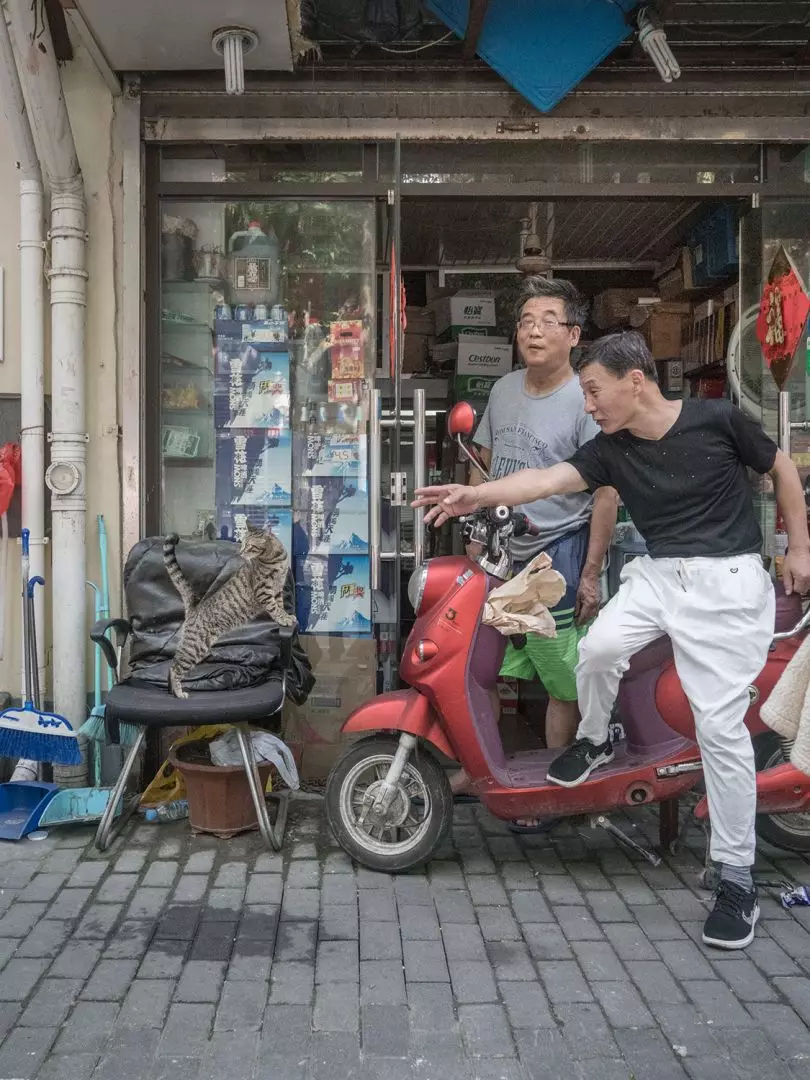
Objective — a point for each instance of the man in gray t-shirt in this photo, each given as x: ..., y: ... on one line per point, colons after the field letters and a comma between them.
x: 536, y: 418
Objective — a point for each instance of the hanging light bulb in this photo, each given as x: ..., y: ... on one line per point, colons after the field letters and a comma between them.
x: 653, y: 40
x: 233, y: 43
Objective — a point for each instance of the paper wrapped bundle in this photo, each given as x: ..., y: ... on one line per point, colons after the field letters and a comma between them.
x: 521, y: 606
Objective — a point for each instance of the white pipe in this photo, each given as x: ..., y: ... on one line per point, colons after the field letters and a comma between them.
x: 32, y: 321
x: 68, y: 279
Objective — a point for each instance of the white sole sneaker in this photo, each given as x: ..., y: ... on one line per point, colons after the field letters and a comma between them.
x: 740, y: 943
x: 603, y: 759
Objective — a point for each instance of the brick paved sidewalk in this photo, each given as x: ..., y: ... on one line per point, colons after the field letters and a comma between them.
x: 508, y: 959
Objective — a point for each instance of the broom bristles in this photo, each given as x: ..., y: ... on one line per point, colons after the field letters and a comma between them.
x: 36, y: 746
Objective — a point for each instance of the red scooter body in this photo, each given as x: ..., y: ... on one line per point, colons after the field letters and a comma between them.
x: 451, y: 662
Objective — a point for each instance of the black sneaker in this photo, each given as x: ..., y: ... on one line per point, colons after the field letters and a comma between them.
x: 733, y: 919
x: 577, y: 763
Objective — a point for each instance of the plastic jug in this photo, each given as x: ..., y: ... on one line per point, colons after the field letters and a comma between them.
x: 254, y: 265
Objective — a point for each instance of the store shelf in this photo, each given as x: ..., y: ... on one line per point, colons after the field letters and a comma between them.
x: 188, y: 463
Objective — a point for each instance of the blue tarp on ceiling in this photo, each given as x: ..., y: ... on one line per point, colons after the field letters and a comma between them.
x: 543, y: 48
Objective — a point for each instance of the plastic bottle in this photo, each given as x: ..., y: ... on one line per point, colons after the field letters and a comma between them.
x: 173, y: 811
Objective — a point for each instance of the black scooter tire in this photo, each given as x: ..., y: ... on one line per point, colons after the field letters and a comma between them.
x: 431, y: 774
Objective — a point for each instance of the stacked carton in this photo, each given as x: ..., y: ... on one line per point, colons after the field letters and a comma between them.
x: 467, y: 338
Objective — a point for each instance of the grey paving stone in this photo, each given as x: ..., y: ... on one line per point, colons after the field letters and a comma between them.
x: 630, y: 942
x: 265, y: 889
x: 201, y: 862
x: 530, y: 907
x: 431, y: 1006
x: 486, y: 889
x: 486, y: 1030
x: 296, y: 941
x: 186, y: 1031
x: 259, y: 923
x: 19, y: 978
x: 585, y: 1032
x: 130, y: 862
x: 8, y: 946
x: 16, y: 875
x: 251, y: 960
x: 61, y: 861
x: 787, y: 1031
x: 338, y: 922
x: 161, y: 874
x: 622, y: 1004
x: 337, y: 961
x: 685, y: 960
x: 504, y: 849
x: 20, y: 919
x: 684, y: 905
x: 270, y: 863
x: 241, y: 1006
x: 793, y: 939
x: 445, y: 874
x: 51, y: 1003
x: 164, y: 960
x: 598, y: 960
x: 476, y: 862
x: 334, y: 1053
x: 655, y: 982
x: 716, y: 1003
x: 300, y: 904
x: 338, y: 862
x: 527, y: 1005
x: 76, y: 960
x: 657, y: 923
x: 147, y: 903
x: 589, y: 877
x: 291, y: 983
x: 223, y: 904
x: 72, y: 1067
x: 69, y: 904
x: 380, y: 941
x: 511, y: 961
x: 797, y: 992
x: 473, y: 981
x: 684, y: 1026
x: 178, y: 922
x: 286, y: 1032
x: 110, y: 980
x: 546, y: 941
x: 24, y: 1050
x: 231, y: 1053
x: 232, y: 875
x: 454, y: 906
x: 608, y: 907
x: 200, y: 981
x: 463, y: 942
x: 146, y: 1004
x: 634, y: 891
x: 116, y: 888
x: 46, y: 939
x: 190, y: 889
x: 301, y: 874
x: 418, y: 922
x: 770, y: 957
x: 424, y: 962
x: 130, y: 941
x: 577, y: 923
x: 98, y: 921
x: 564, y: 982
x: 649, y: 1056
x: 744, y: 979
x: 382, y: 982
x: 751, y: 1052
x: 385, y: 1030
x: 498, y: 924
x: 214, y: 941
x: 338, y: 889
x: 304, y: 851
x: 376, y: 905
x: 560, y: 890
x: 88, y: 1028
x: 520, y: 876
x: 336, y: 1007
x: 42, y: 888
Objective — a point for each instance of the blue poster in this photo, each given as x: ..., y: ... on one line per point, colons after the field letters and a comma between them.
x: 331, y: 516
x: 254, y: 469
x: 331, y: 454
x: 333, y: 594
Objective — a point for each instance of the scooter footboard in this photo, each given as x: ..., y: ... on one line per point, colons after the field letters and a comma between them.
x: 401, y: 710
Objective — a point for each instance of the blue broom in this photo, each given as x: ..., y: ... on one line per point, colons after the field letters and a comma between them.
x: 29, y: 732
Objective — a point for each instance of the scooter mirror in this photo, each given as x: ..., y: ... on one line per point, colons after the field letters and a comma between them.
x: 461, y: 420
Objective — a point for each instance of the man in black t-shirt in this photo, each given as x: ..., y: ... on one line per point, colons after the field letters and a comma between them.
x: 680, y: 468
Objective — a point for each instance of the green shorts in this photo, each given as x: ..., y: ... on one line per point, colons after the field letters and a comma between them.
x: 552, y: 660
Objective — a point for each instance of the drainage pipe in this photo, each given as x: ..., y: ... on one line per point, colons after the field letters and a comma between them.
x: 65, y: 475
x: 32, y: 320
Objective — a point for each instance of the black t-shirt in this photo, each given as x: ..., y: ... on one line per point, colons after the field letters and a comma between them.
x: 687, y: 493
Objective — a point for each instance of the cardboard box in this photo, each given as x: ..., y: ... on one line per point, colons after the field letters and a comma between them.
x: 420, y: 321
x: 671, y: 375
x: 675, y: 278
x: 612, y: 307
x: 414, y: 353
x: 464, y: 309
x: 473, y: 388
x: 483, y: 356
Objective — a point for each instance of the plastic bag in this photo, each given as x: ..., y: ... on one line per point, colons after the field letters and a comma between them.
x: 168, y: 784
x: 521, y: 606
x: 266, y: 747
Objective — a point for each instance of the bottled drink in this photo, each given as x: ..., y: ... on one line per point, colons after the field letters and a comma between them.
x: 172, y: 811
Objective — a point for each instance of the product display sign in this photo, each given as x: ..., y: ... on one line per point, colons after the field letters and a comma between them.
x: 254, y: 468
x: 331, y: 516
x: 333, y: 595
x: 332, y: 454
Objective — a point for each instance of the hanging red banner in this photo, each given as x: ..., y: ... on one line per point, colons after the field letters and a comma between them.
x: 783, y: 312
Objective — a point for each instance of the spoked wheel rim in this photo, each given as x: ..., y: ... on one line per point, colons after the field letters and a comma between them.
x: 796, y: 824
x: 408, y: 818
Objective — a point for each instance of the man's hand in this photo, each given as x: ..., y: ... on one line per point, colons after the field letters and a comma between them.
x: 796, y: 571
x: 448, y: 501
x: 589, y: 596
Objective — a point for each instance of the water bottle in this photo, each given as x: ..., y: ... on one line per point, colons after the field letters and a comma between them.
x: 173, y: 811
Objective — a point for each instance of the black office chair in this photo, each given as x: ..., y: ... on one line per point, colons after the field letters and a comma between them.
x: 243, y: 680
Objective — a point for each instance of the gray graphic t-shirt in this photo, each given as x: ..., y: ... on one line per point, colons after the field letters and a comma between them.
x: 524, y: 431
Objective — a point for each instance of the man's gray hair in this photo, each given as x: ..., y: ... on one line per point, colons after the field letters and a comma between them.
x: 620, y: 353
x: 576, y: 306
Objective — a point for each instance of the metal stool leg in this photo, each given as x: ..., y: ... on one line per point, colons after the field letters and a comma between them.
x: 273, y: 835
x: 110, y: 826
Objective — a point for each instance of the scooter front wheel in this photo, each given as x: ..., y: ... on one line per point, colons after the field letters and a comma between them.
x: 415, y: 824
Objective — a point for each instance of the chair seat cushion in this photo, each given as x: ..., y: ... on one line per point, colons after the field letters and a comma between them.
x: 137, y: 702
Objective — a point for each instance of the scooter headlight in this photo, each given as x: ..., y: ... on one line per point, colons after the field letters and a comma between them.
x: 416, y: 586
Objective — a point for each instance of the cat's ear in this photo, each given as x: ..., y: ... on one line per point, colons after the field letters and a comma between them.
x: 252, y: 529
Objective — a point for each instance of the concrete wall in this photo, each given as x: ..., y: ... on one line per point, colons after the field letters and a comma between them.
x: 91, y: 109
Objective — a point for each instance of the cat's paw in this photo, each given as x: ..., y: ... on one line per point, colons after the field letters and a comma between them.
x: 179, y: 692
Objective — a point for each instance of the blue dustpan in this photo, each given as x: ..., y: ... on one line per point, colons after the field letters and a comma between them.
x: 77, y: 806
x: 22, y: 804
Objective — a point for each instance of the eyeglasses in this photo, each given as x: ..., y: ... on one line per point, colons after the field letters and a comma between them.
x: 548, y: 324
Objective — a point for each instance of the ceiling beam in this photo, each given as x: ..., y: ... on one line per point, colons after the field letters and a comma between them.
x: 63, y: 50
x: 475, y: 23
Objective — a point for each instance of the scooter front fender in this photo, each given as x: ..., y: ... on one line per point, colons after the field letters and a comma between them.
x: 400, y: 710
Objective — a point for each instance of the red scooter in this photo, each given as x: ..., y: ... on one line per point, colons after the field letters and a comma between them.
x: 388, y: 800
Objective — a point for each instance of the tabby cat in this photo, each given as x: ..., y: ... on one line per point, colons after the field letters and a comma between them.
x: 255, y: 588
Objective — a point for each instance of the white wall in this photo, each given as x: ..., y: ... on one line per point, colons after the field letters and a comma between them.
x: 90, y: 106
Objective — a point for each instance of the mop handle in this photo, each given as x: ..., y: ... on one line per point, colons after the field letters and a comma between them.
x: 25, y: 535
x: 32, y: 584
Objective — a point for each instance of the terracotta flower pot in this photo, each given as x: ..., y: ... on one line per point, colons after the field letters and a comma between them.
x: 219, y: 799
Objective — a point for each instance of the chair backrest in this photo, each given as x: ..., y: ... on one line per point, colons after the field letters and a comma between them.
x: 246, y: 656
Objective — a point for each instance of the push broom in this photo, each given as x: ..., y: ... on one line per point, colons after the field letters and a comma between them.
x: 30, y: 732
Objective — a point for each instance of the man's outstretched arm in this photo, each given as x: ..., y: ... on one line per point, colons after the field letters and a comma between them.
x: 453, y: 500
x: 790, y: 500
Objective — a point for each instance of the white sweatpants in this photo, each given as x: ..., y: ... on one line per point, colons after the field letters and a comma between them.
x: 719, y: 613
